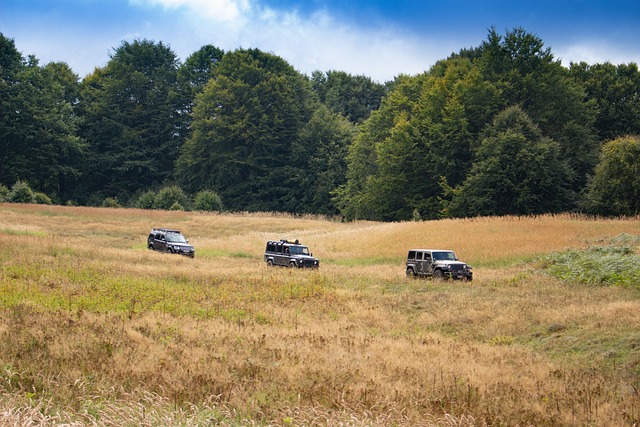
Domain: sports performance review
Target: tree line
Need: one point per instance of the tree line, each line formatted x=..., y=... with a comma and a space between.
x=502, y=128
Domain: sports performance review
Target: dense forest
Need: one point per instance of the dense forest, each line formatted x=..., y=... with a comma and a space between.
x=502, y=128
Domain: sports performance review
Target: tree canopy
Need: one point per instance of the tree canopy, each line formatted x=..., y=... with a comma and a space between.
x=501, y=128
x=614, y=188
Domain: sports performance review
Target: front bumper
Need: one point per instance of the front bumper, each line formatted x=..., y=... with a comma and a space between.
x=459, y=275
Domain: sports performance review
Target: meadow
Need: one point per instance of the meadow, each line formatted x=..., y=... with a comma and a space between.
x=97, y=330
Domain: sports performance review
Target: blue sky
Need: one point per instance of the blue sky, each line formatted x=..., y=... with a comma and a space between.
x=380, y=39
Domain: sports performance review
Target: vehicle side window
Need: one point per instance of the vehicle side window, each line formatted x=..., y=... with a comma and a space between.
x=419, y=256
x=159, y=236
x=278, y=248
x=412, y=255
x=427, y=257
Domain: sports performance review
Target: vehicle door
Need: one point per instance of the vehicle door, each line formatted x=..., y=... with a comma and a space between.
x=428, y=263
x=277, y=255
x=160, y=242
x=286, y=255
x=419, y=263
x=281, y=257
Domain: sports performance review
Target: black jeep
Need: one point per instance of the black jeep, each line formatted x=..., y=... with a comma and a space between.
x=172, y=241
x=438, y=264
x=289, y=254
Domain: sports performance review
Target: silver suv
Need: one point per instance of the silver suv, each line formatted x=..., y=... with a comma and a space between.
x=172, y=241
x=437, y=263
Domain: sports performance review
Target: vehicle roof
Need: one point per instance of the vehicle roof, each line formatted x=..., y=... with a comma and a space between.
x=432, y=250
x=283, y=242
x=166, y=230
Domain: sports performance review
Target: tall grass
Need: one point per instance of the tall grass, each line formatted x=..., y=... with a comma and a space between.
x=97, y=330
x=616, y=263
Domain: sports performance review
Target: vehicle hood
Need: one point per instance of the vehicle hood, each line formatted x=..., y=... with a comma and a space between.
x=307, y=257
x=450, y=263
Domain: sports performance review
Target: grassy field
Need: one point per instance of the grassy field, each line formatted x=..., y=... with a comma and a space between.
x=97, y=330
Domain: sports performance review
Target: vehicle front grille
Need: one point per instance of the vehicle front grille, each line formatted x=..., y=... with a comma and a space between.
x=456, y=267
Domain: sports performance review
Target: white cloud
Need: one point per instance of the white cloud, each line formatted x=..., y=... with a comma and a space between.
x=219, y=10
x=315, y=42
x=596, y=52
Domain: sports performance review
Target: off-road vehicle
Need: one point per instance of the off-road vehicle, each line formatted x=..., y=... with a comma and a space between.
x=438, y=264
x=288, y=253
x=172, y=241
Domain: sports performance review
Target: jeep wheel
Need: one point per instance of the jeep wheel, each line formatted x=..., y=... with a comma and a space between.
x=438, y=275
x=292, y=264
x=410, y=273
x=150, y=247
x=269, y=263
x=170, y=250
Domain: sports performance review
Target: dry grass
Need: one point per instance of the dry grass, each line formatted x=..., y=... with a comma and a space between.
x=96, y=330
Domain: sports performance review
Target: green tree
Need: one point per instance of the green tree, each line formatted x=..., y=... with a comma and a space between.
x=4, y=193
x=133, y=122
x=529, y=76
x=197, y=69
x=353, y=199
x=207, y=200
x=51, y=154
x=615, y=187
x=168, y=197
x=355, y=97
x=614, y=89
x=321, y=154
x=516, y=171
x=146, y=200
x=426, y=128
x=38, y=122
x=21, y=192
x=193, y=75
x=246, y=126
x=11, y=64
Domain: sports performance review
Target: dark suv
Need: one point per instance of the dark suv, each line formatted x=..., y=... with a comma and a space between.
x=438, y=264
x=289, y=254
x=172, y=241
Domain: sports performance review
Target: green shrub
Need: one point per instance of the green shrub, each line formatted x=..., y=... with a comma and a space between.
x=42, y=199
x=614, y=264
x=21, y=193
x=169, y=196
x=111, y=202
x=146, y=200
x=4, y=193
x=176, y=207
x=207, y=200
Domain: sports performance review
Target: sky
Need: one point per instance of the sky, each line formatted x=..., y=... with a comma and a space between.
x=377, y=38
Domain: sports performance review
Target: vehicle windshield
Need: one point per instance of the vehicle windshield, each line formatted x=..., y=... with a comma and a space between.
x=298, y=250
x=176, y=238
x=444, y=256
